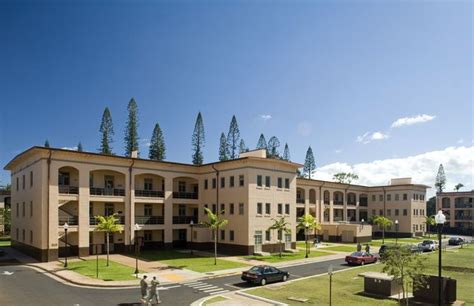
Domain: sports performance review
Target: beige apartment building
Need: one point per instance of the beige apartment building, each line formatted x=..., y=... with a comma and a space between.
x=457, y=206
x=51, y=187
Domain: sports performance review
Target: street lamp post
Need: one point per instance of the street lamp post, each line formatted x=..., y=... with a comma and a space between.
x=440, y=218
x=396, y=230
x=137, y=248
x=306, y=225
x=66, y=227
x=330, y=272
x=191, y=224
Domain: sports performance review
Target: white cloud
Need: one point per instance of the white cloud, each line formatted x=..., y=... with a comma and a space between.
x=412, y=120
x=70, y=148
x=461, y=141
x=458, y=164
x=304, y=128
x=338, y=151
x=369, y=137
x=265, y=117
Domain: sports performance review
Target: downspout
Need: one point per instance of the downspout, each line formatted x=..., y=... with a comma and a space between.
x=47, y=199
x=130, y=199
x=321, y=201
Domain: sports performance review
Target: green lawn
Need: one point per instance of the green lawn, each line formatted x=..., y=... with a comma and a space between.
x=214, y=300
x=113, y=272
x=5, y=243
x=187, y=261
x=378, y=242
x=347, y=286
x=286, y=256
x=341, y=248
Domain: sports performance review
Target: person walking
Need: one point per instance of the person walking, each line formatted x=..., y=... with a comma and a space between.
x=359, y=247
x=154, y=292
x=144, y=289
x=367, y=248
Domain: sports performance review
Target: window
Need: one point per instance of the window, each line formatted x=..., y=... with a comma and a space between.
x=222, y=234
x=31, y=237
x=31, y=178
x=280, y=208
x=268, y=236
x=31, y=208
x=397, y=197
x=381, y=212
x=17, y=209
x=373, y=198
x=268, y=208
x=17, y=183
x=231, y=208
x=222, y=182
x=241, y=180
x=280, y=236
x=63, y=178
x=259, y=181
x=214, y=208
x=267, y=181
x=148, y=236
x=374, y=212
x=182, y=186
x=414, y=227
x=222, y=208
x=287, y=183
x=17, y=235
x=214, y=183
x=148, y=210
x=405, y=212
x=381, y=197
x=181, y=210
x=206, y=184
x=287, y=209
x=241, y=208
x=259, y=208
x=389, y=212
x=148, y=184
x=23, y=235
x=405, y=197
x=23, y=210
x=280, y=182
x=23, y=183
x=397, y=212
x=389, y=197
x=231, y=181
x=231, y=235
x=91, y=180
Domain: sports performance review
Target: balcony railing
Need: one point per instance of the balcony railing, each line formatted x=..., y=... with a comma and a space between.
x=149, y=219
x=363, y=203
x=299, y=200
x=338, y=203
x=185, y=195
x=66, y=189
x=149, y=194
x=184, y=219
x=107, y=191
x=70, y=220
x=463, y=218
x=351, y=203
x=462, y=205
x=94, y=221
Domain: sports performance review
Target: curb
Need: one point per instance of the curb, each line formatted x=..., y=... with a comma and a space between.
x=259, y=298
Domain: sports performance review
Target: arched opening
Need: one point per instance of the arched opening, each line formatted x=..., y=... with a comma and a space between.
x=446, y=203
x=68, y=180
x=312, y=196
x=327, y=197
x=364, y=201
x=300, y=195
x=149, y=186
x=463, y=202
x=351, y=198
x=106, y=183
x=185, y=188
x=338, y=198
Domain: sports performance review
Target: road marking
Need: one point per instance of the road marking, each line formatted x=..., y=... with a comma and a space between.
x=232, y=286
x=190, y=283
x=219, y=292
x=7, y=273
x=201, y=285
x=206, y=287
x=197, y=285
x=213, y=290
x=169, y=287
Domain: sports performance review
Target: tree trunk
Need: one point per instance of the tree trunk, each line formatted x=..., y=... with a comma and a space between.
x=215, y=248
x=280, y=248
x=107, y=239
x=383, y=234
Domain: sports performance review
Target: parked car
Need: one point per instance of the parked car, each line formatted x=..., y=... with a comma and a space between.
x=456, y=241
x=263, y=275
x=361, y=258
x=428, y=245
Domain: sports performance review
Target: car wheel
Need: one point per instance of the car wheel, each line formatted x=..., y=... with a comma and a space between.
x=263, y=282
x=285, y=278
x=362, y=263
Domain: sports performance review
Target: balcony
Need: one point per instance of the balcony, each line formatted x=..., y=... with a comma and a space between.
x=149, y=219
x=299, y=201
x=338, y=202
x=185, y=195
x=70, y=220
x=184, y=219
x=93, y=221
x=107, y=192
x=468, y=218
x=149, y=194
x=66, y=189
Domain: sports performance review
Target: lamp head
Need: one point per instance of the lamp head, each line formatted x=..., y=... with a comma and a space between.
x=440, y=218
x=191, y=223
x=362, y=220
x=137, y=227
x=396, y=221
x=65, y=226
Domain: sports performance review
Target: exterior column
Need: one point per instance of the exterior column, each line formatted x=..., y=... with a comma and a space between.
x=53, y=225
x=331, y=207
x=306, y=201
x=83, y=213
x=168, y=235
x=344, y=209
x=129, y=233
x=357, y=207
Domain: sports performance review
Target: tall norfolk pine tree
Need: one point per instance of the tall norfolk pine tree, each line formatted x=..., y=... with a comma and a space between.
x=107, y=130
x=440, y=179
x=79, y=147
x=262, y=143
x=198, y=141
x=286, y=153
x=223, y=148
x=272, y=147
x=233, y=138
x=131, y=130
x=242, y=147
x=309, y=164
x=157, y=144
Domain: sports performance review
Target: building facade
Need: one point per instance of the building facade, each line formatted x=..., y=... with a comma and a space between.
x=51, y=187
x=5, y=202
x=457, y=206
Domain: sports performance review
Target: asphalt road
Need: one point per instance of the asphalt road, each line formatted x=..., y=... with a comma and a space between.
x=29, y=287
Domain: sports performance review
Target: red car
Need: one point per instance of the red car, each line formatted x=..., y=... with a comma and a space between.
x=361, y=258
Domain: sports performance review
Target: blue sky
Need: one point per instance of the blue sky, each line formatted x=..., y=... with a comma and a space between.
x=326, y=72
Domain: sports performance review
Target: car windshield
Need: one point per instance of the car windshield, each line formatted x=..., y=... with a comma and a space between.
x=256, y=269
x=427, y=242
x=357, y=254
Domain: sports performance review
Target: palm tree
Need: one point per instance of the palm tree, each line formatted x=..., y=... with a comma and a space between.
x=108, y=224
x=382, y=222
x=214, y=224
x=308, y=223
x=281, y=226
x=430, y=221
x=458, y=186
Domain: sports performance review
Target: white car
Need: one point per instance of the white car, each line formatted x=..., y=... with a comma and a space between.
x=428, y=245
